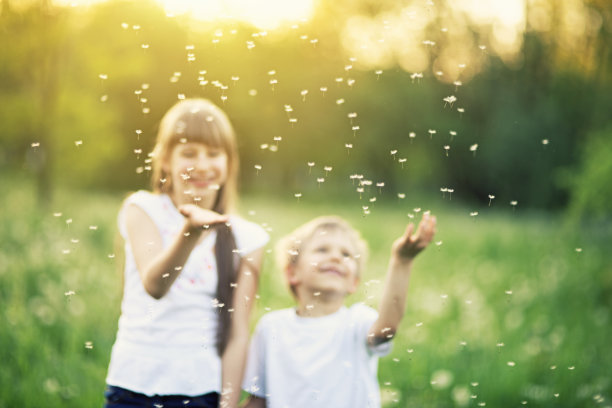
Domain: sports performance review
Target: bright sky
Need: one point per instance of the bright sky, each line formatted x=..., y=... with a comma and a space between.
x=265, y=14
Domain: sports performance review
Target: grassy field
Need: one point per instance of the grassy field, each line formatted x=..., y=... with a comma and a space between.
x=506, y=309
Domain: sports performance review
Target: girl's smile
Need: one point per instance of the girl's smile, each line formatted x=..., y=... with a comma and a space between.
x=197, y=172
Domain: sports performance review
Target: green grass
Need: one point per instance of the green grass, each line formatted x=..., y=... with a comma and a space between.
x=503, y=310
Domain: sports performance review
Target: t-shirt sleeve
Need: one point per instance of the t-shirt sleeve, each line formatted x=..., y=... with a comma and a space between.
x=255, y=373
x=364, y=317
x=249, y=236
x=142, y=199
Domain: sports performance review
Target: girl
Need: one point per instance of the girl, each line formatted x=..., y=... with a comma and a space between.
x=191, y=271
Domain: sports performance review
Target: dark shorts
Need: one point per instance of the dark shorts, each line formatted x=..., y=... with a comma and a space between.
x=117, y=397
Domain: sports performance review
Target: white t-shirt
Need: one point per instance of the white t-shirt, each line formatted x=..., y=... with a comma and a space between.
x=167, y=346
x=301, y=362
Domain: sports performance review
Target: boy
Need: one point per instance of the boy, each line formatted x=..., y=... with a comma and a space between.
x=321, y=353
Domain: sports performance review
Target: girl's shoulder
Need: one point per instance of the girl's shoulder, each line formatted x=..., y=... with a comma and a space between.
x=158, y=207
x=249, y=235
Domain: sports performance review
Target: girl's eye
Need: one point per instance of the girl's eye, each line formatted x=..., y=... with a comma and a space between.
x=214, y=152
x=346, y=254
x=189, y=153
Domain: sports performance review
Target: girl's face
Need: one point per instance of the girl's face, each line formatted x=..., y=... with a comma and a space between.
x=197, y=171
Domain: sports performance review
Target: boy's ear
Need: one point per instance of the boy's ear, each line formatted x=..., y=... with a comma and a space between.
x=353, y=288
x=290, y=274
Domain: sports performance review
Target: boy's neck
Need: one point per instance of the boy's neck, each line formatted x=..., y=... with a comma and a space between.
x=318, y=304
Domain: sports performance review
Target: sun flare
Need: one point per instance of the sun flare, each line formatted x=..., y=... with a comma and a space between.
x=264, y=14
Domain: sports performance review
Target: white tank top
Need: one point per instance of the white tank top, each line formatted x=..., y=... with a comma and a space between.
x=167, y=346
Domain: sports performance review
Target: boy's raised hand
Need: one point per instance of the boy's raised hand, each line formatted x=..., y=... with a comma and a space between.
x=199, y=217
x=409, y=245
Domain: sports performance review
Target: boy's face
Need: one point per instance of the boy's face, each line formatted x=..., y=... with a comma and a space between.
x=326, y=263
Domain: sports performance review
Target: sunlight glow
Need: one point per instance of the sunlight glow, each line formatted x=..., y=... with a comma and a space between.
x=265, y=14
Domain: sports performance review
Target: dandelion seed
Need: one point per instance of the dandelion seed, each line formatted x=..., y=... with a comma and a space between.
x=401, y=196
x=416, y=75
x=378, y=73
x=508, y=292
x=348, y=147
x=545, y=142
x=578, y=249
x=78, y=143
x=431, y=133
x=314, y=41
x=571, y=368
x=373, y=199
x=104, y=98
x=327, y=169
x=298, y=195
x=93, y=227
x=419, y=324
x=513, y=203
x=450, y=193
x=460, y=110
x=144, y=46
x=57, y=214
x=439, y=73
x=482, y=47
x=473, y=148
x=452, y=134
x=450, y=100
x=111, y=256
x=69, y=293
x=339, y=101
x=355, y=129
x=402, y=161
x=310, y=166
x=88, y=345
x=103, y=76
x=474, y=214
x=304, y=93
x=446, y=148
x=320, y=180
x=125, y=26
x=323, y=89
x=257, y=168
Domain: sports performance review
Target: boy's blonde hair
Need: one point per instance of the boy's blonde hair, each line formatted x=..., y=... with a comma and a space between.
x=288, y=248
x=196, y=120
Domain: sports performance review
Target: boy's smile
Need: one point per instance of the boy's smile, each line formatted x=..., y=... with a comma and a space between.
x=326, y=263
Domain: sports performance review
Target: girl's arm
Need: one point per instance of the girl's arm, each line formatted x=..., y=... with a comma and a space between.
x=233, y=360
x=254, y=402
x=159, y=267
x=393, y=301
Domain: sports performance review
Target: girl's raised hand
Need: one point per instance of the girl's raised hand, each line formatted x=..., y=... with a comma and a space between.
x=409, y=245
x=199, y=217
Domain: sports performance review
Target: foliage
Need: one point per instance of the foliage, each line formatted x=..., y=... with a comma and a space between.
x=83, y=91
x=590, y=185
x=504, y=308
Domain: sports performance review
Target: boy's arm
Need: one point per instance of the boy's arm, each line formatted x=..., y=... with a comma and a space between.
x=393, y=302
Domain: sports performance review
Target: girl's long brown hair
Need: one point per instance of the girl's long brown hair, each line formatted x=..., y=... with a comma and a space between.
x=199, y=120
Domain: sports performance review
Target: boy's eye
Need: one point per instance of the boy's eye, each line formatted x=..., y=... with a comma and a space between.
x=347, y=254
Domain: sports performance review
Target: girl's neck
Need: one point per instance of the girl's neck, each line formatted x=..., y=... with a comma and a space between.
x=179, y=198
